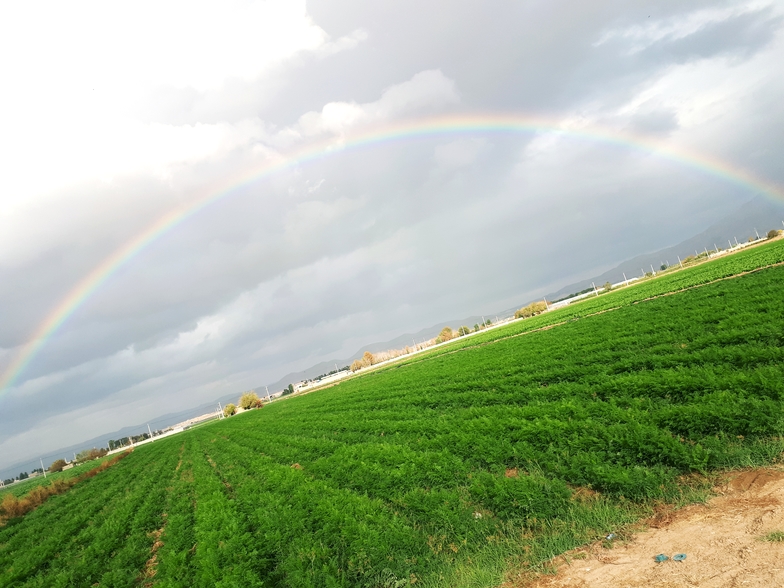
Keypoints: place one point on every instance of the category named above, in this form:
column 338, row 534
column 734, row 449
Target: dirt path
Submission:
column 723, row 542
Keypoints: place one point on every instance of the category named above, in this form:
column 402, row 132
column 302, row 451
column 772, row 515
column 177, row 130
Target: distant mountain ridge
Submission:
column 759, row 214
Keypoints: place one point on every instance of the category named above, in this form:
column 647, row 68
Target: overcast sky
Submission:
column 114, row 115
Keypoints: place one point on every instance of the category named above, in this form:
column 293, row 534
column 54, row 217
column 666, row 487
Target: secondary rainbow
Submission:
column 428, row 127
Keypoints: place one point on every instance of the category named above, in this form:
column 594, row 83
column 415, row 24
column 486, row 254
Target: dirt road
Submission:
column 724, row 542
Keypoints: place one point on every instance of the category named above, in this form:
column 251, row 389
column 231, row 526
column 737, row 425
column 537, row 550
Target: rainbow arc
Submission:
column 461, row 124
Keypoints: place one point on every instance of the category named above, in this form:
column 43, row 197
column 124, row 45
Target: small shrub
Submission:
column 248, row 400
column 531, row 310
column 11, row 507
column 446, row 334
column 57, row 466
column 229, row 409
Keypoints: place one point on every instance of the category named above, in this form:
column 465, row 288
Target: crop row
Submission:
column 98, row 532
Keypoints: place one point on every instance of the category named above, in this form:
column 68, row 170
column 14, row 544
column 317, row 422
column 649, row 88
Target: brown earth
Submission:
column 723, row 541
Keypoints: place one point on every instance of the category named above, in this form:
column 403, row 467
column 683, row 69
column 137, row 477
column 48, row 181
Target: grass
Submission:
column 774, row 536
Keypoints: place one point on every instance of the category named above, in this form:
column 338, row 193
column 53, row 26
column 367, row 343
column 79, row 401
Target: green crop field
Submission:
column 21, row 488
column 452, row 467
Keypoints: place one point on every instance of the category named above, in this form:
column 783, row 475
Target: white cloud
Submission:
column 639, row 37
column 73, row 78
column 426, row 90
column 343, row 43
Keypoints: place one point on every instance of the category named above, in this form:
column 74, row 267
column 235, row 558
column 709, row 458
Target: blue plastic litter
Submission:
column 661, row 557
column 679, row 557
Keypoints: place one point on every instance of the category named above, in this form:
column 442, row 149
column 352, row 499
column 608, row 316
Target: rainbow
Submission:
column 421, row 128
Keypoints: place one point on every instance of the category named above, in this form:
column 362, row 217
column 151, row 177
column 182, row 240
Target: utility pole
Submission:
column 547, row 306
column 625, row 280
column 220, row 409
column 595, row 291
column 680, row 263
column 730, row 242
column 653, row 271
column 736, row 241
column 42, row 466
column 716, row 248
column 149, row 429
column 268, row 396
column 756, row 233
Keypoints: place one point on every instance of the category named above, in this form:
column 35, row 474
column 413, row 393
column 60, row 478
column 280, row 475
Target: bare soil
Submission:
column 724, row 542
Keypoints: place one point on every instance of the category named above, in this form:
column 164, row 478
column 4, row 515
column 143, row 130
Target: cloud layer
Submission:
column 114, row 117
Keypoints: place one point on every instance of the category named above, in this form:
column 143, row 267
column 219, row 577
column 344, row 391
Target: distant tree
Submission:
column 248, row 400
column 229, row 409
column 476, row 327
column 258, row 403
column 663, row 267
column 57, row 466
column 23, row 476
column 368, row 359
column 356, row 365
column 531, row 310
column 445, row 335
column 773, row 233
column 89, row 454
column 463, row 331
column 607, row 286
